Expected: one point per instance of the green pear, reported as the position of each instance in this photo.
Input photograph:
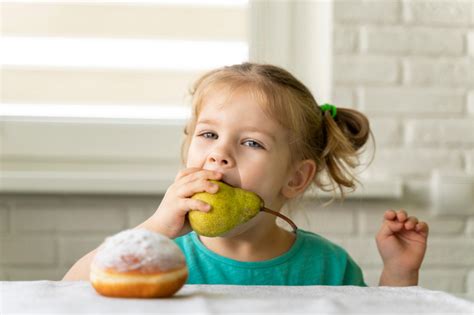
(231, 207)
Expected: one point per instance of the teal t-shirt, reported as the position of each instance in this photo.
(312, 260)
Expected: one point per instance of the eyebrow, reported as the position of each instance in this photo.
(252, 129)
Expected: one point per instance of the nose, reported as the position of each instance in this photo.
(220, 159)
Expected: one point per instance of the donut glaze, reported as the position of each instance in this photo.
(138, 263)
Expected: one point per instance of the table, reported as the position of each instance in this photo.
(54, 297)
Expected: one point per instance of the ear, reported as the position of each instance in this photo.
(300, 177)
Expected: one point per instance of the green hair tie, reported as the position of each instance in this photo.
(332, 108)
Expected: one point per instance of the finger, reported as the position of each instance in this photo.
(390, 214)
(422, 227)
(186, 172)
(199, 185)
(411, 223)
(389, 228)
(201, 174)
(188, 204)
(402, 215)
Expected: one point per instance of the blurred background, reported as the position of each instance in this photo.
(94, 100)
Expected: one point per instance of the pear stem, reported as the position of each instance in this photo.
(278, 214)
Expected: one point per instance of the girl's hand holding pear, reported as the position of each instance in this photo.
(170, 217)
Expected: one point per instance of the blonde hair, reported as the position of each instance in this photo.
(333, 143)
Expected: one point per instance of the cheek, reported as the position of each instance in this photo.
(265, 179)
(193, 158)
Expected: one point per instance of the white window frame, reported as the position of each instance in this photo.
(119, 155)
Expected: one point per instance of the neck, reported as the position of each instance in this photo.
(260, 240)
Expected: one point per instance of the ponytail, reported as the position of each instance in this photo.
(344, 135)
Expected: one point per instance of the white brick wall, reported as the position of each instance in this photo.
(409, 66)
(367, 11)
(353, 69)
(470, 103)
(443, 279)
(414, 161)
(441, 12)
(347, 97)
(3, 218)
(42, 236)
(424, 101)
(412, 40)
(345, 40)
(470, 282)
(457, 72)
(388, 131)
(470, 43)
(439, 131)
(17, 250)
(86, 217)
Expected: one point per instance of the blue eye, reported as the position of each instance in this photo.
(209, 135)
(254, 144)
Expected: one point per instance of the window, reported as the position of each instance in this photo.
(93, 94)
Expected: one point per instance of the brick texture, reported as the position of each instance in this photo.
(139, 212)
(470, 282)
(456, 252)
(76, 218)
(345, 97)
(410, 101)
(386, 131)
(449, 13)
(439, 72)
(4, 218)
(345, 40)
(327, 221)
(18, 250)
(417, 41)
(38, 273)
(470, 103)
(351, 69)
(445, 280)
(71, 248)
(470, 228)
(470, 43)
(411, 71)
(387, 11)
(439, 131)
(415, 161)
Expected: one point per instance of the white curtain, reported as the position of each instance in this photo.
(296, 35)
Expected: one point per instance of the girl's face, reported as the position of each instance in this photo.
(235, 137)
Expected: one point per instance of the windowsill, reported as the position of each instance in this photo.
(84, 156)
(136, 184)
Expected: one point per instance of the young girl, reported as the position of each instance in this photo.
(257, 127)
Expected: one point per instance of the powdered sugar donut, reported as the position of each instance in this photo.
(138, 263)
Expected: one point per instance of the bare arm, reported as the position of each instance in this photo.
(81, 269)
(170, 218)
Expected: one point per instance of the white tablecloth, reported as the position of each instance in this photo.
(79, 297)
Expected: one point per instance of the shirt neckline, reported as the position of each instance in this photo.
(250, 264)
